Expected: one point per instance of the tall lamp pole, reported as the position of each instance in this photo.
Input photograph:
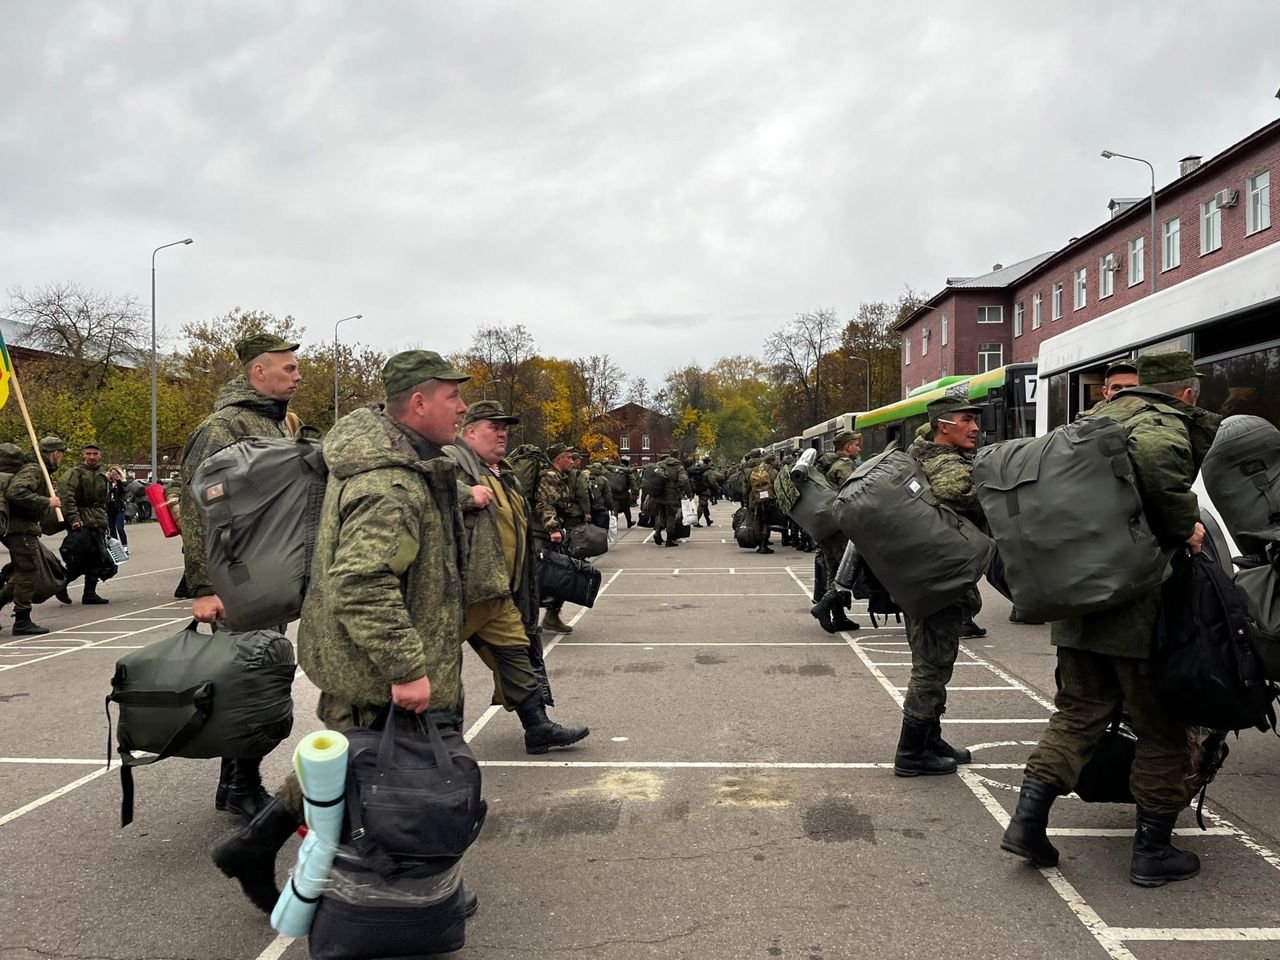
(1108, 154)
(154, 375)
(337, 364)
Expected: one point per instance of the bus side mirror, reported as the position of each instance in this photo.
(989, 419)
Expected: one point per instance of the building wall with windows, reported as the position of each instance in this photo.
(640, 433)
(977, 323)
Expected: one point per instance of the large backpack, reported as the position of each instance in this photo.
(1205, 664)
(619, 482)
(734, 485)
(924, 552)
(528, 461)
(760, 483)
(201, 696)
(11, 459)
(259, 502)
(653, 481)
(1242, 474)
(1066, 513)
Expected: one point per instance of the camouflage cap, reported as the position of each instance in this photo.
(1167, 367)
(556, 449)
(947, 406)
(844, 436)
(259, 343)
(1121, 366)
(91, 446)
(52, 444)
(487, 410)
(412, 367)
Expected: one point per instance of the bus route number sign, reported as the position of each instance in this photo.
(1031, 382)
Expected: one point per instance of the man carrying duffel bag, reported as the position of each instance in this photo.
(382, 619)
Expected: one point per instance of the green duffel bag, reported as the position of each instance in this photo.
(1065, 510)
(587, 540)
(1241, 471)
(805, 496)
(1261, 587)
(200, 696)
(924, 553)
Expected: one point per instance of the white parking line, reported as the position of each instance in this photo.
(700, 643)
(87, 646)
(54, 760)
(49, 797)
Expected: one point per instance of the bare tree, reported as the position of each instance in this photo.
(602, 381)
(100, 332)
(798, 352)
(503, 354)
(638, 392)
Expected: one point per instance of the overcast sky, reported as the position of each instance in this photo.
(665, 182)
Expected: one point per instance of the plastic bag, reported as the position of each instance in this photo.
(613, 529)
(689, 511)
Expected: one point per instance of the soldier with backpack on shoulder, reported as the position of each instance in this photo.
(382, 620)
(760, 473)
(947, 462)
(502, 577)
(552, 506)
(1104, 657)
(30, 508)
(253, 404)
(667, 516)
(84, 491)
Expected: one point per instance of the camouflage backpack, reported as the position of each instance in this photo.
(528, 461)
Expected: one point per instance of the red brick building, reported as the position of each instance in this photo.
(640, 433)
(1214, 213)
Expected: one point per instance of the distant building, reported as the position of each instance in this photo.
(640, 433)
(1216, 212)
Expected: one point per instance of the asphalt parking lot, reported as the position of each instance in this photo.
(735, 797)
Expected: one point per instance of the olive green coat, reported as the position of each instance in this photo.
(677, 485)
(841, 471)
(239, 412)
(29, 511)
(1168, 440)
(83, 492)
(384, 605)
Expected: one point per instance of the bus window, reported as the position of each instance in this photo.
(1239, 384)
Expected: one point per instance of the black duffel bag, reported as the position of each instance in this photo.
(413, 795)
(568, 579)
(84, 551)
(348, 931)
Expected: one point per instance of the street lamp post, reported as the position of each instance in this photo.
(155, 473)
(337, 364)
(1108, 154)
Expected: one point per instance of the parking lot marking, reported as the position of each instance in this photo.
(49, 797)
(701, 643)
(83, 762)
(1195, 933)
(276, 948)
(86, 646)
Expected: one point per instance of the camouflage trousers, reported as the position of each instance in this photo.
(704, 508)
(934, 642)
(1090, 686)
(667, 518)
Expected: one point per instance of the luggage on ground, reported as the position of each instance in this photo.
(923, 552)
(588, 540)
(1261, 589)
(1065, 510)
(377, 931)
(200, 696)
(644, 520)
(743, 531)
(259, 501)
(1204, 663)
(1241, 471)
(562, 577)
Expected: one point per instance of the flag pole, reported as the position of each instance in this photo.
(35, 443)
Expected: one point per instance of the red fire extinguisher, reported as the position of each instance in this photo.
(163, 508)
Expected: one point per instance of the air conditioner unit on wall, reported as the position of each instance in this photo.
(1227, 198)
(1109, 262)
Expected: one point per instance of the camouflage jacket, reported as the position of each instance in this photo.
(486, 576)
(601, 492)
(83, 492)
(27, 494)
(551, 501)
(841, 471)
(950, 474)
(1168, 440)
(239, 412)
(677, 485)
(384, 604)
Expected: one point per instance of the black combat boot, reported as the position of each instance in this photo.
(541, 733)
(839, 619)
(225, 773)
(943, 749)
(1027, 834)
(971, 629)
(23, 626)
(249, 854)
(821, 611)
(245, 795)
(1156, 861)
(764, 548)
(63, 596)
(91, 592)
(913, 757)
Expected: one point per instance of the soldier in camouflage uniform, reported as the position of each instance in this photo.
(759, 501)
(1103, 657)
(252, 405)
(502, 577)
(947, 461)
(703, 488)
(30, 510)
(630, 495)
(601, 495)
(667, 514)
(83, 492)
(383, 615)
(831, 604)
(553, 505)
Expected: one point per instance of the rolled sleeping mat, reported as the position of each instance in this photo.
(321, 764)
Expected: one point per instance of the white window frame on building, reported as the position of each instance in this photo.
(1019, 313)
(985, 352)
(906, 351)
(1080, 289)
(1137, 260)
(1259, 197)
(1037, 311)
(1210, 226)
(924, 342)
(944, 328)
(1106, 277)
(1057, 300)
(991, 314)
(644, 442)
(1171, 241)
(624, 443)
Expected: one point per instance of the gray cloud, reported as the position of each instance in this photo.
(663, 181)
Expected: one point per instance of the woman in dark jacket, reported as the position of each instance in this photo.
(116, 500)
